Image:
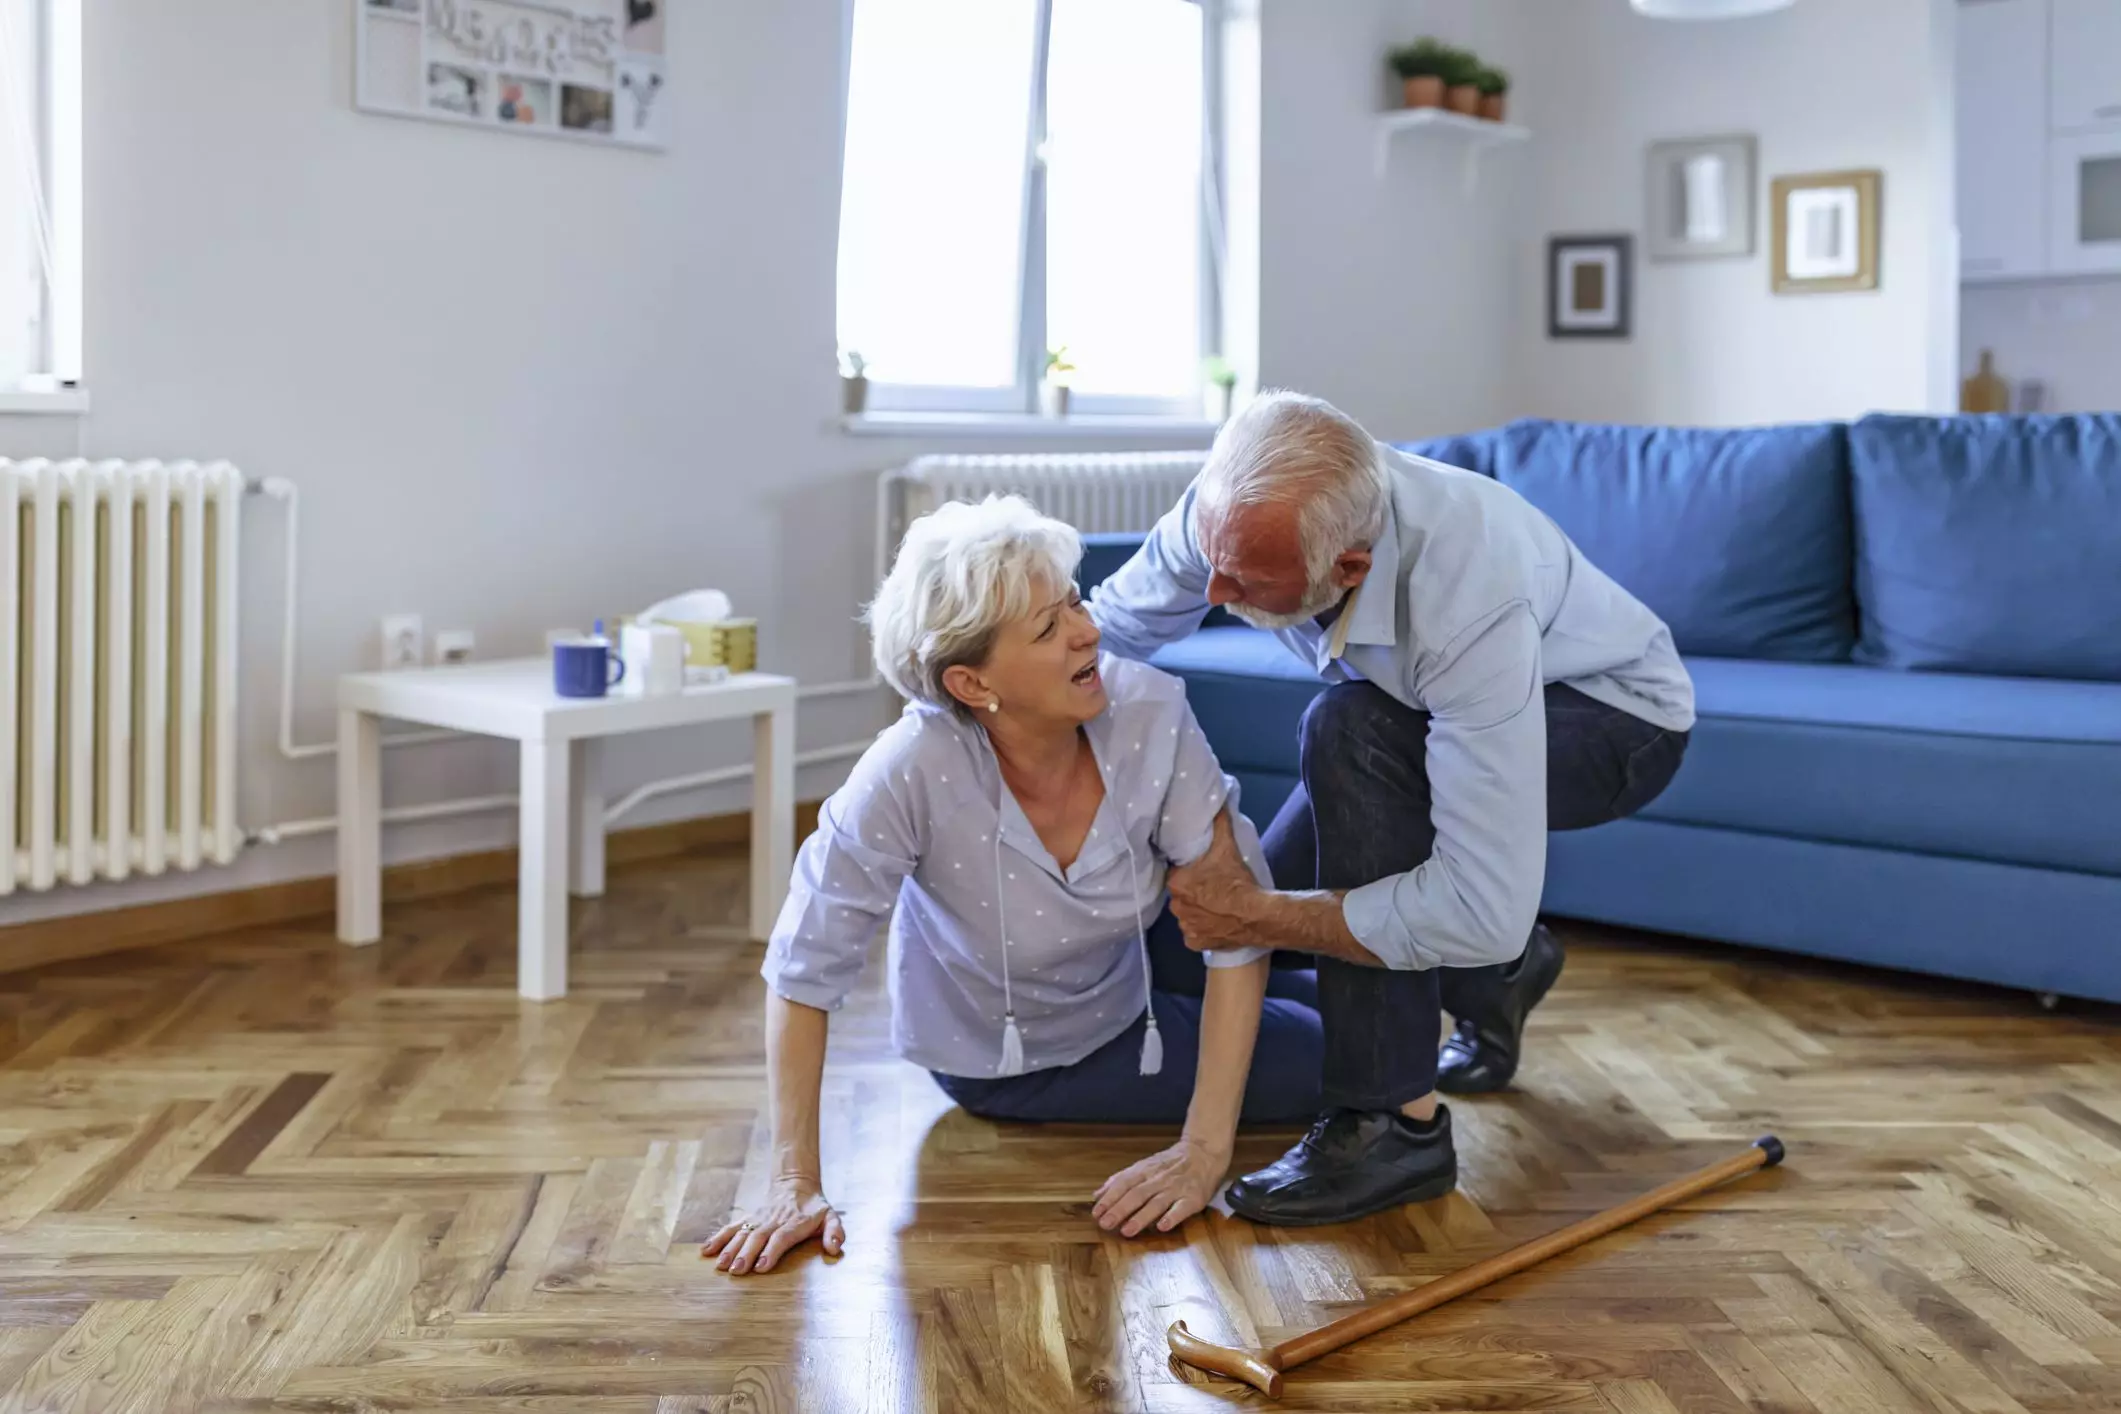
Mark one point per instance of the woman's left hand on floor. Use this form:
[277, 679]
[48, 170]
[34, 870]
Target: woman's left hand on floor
[1164, 1189]
[795, 1211]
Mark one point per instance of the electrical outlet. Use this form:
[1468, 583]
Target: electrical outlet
[453, 645]
[404, 641]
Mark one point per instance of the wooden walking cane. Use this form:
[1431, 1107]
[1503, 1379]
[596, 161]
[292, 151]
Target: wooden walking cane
[1262, 1369]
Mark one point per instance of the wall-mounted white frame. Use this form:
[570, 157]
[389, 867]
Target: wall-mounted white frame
[1700, 198]
[581, 70]
[1478, 134]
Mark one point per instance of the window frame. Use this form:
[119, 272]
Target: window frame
[53, 382]
[1031, 341]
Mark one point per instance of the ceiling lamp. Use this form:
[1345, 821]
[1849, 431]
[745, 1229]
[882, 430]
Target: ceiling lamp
[1705, 9]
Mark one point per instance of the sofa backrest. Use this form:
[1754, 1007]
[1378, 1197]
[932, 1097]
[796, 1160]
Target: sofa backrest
[1738, 538]
[1469, 451]
[1990, 544]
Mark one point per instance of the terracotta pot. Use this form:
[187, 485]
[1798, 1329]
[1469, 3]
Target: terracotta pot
[1491, 106]
[1424, 92]
[1462, 98]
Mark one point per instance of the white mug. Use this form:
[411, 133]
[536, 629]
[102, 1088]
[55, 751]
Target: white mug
[654, 655]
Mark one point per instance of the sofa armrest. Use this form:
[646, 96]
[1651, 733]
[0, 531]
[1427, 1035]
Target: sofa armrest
[1103, 553]
[1106, 551]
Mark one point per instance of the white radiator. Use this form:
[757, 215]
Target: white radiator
[117, 669]
[1102, 492]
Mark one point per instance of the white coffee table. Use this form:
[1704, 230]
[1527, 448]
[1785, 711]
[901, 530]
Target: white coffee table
[562, 797]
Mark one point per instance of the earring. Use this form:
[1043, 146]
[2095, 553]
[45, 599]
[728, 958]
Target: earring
[994, 704]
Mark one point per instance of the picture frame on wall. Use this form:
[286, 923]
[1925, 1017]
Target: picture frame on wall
[1589, 280]
[1700, 198]
[1826, 232]
[580, 70]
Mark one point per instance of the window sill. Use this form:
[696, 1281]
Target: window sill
[32, 402]
[1025, 425]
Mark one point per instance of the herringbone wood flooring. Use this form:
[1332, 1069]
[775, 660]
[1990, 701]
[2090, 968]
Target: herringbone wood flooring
[270, 1172]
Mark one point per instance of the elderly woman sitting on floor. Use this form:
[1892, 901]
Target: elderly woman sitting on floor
[1022, 816]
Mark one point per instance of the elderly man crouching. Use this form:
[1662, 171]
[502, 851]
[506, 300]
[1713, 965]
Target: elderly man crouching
[1488, 684]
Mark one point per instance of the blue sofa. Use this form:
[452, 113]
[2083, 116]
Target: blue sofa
[1905, 638]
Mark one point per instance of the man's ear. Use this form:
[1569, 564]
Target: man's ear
[1352, 568]
[964, 685]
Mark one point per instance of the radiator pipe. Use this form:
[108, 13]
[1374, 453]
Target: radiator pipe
[444, 809]
[285, 491]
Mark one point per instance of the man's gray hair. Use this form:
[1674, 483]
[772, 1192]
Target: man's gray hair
[1295, 450]
[962, 572]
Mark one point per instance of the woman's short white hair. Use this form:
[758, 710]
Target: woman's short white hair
[963, 571]
[1292, 449]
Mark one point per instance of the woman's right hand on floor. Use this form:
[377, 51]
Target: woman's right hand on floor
[793, 1212]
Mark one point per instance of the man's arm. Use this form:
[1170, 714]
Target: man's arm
[1474, 900]
[1160, 595]
[1221, 904]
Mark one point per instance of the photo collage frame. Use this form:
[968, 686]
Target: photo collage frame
[587, 70]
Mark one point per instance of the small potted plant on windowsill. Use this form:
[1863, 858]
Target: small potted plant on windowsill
[1461, 81]
[1219, 382]
[1053, 388]
[854, 383]
[1421, 66]
[1494, 85]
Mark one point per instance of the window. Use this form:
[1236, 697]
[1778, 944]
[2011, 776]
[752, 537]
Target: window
[1023, 175]
[40, 195]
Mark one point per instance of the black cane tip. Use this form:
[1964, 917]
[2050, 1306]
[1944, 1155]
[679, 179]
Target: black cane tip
[1772, 1146]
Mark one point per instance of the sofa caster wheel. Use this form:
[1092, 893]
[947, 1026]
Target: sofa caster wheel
[2049, 1001]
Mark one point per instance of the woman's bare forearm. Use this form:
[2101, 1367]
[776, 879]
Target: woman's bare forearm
[795, 1074]
[1229, 1026]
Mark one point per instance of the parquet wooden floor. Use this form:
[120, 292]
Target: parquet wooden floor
[270, 1172]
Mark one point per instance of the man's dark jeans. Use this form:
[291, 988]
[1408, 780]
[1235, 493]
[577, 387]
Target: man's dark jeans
[1362, 814]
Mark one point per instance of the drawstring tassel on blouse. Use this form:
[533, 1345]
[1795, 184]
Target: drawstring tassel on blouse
[1152, 1047]
[1013, 1048]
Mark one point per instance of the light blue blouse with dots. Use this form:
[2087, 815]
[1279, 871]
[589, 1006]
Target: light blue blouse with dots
[916, 825]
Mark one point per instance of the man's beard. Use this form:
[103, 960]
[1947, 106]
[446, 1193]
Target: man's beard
[1316, 602]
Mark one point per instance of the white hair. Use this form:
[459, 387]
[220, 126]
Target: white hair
[963, 571]
[1291, 449]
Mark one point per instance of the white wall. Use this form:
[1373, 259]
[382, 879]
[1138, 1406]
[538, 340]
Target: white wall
[2066, 334]
[1823, 86]
[521, 383]
[1391, 294]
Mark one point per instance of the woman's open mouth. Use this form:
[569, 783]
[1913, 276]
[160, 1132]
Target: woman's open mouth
[1088, 676]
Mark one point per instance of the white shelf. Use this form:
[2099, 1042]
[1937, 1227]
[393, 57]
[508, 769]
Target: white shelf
[1478, 134]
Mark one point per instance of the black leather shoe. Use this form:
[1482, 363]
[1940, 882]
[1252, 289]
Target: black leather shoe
[1490, 1005]
[1352, 1163]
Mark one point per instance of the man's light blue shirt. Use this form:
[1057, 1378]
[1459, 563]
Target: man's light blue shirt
[1475, 600]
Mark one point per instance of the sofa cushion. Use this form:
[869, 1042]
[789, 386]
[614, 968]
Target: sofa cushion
[1990, 544]
[1738, 538]
[2013, 770]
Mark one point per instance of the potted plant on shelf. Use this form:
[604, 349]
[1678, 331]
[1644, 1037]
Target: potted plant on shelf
[1461, 80]
[1493, 84]
[1053, 389]
[1421, 67]
[854, 382]
[1221, 386]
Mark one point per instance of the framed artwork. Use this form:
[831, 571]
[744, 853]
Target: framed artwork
[587, 70]
[1826, 232]
[1588, 286]
[1701, 198]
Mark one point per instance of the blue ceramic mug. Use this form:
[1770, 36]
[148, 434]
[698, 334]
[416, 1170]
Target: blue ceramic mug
[585, 667]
